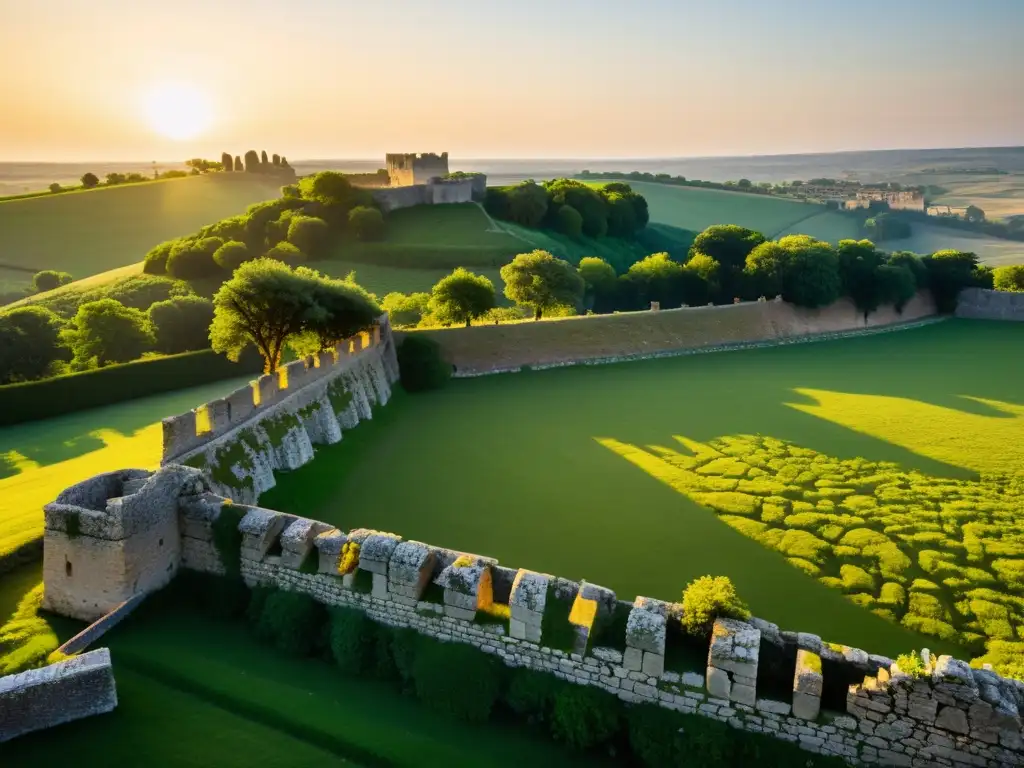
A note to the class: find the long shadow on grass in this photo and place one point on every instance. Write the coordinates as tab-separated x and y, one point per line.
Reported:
507	465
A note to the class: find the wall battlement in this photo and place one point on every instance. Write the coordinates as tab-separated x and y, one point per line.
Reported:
946	714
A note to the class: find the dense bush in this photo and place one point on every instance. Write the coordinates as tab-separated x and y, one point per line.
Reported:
708	598
293	622
584	717
421	365
117	383
231	255
949	272
803	270
729	245
182	324
309	234
600	284
1010	278
49	279
531	694
108	332
886	226
351	640
366	223
29	344
155	262
191	260
406	310
569	222
287	253
456	679
460	297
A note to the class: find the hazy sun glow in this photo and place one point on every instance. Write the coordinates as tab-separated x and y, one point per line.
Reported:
178	111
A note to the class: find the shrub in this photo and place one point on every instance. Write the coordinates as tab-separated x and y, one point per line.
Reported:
49	279
531	694
351	640
109	332
90	180
287	253
182	324
366	223
29	344
912	664
655	735
421	365
949	272
155	262
1010	278
55	188
231	255
293	622
584	717
600	284
708	598
406	310
309	234
191	260
456	679
569	222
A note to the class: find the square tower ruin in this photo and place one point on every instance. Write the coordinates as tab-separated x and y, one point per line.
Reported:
406	169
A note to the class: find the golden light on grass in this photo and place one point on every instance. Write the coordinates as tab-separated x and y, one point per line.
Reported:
178	111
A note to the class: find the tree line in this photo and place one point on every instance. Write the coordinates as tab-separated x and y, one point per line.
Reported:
570	207
725	264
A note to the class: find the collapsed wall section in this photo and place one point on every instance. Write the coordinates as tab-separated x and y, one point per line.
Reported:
635	335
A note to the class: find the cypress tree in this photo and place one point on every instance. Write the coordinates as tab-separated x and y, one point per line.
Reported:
225	161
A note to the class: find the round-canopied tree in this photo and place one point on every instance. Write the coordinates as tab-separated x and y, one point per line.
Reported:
309	234
460	297
541	282
108	332
406	310
29	343
729	245
569	222
90	180
600	284
49	279
803	270
949	272
181	324
189	260
655	278
230	256
366	223
287	253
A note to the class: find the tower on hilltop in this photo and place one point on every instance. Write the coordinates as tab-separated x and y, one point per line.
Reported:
406	169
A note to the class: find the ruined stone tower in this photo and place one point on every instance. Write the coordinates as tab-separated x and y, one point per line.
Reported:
405	169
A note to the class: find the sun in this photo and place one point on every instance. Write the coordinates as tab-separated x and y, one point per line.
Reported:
178	111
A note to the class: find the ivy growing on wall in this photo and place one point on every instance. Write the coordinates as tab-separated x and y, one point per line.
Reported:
227	539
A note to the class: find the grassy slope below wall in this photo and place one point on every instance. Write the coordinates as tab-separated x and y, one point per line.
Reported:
234	702
511	466
40	459
86	233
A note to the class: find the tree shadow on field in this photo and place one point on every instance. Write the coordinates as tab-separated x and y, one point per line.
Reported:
52	441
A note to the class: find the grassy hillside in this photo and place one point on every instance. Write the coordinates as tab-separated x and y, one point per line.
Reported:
86	233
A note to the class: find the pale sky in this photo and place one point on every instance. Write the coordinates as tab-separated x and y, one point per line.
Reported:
524	78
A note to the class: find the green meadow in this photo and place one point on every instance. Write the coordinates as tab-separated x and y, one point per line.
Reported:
866	490
86	233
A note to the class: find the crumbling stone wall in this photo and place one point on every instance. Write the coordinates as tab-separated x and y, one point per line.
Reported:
433	192
949	715
983	304
59	693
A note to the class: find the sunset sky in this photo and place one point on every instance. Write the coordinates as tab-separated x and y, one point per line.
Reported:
108	79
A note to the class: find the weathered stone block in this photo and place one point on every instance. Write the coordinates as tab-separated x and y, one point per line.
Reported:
718	683
380	586
806	706
329	544
376	550
743	694
411	566
952	719
260	528
455	612
529	596
653	664
735	646
646	630
808	678
633	659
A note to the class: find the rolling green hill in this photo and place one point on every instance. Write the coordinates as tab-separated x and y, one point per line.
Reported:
86	233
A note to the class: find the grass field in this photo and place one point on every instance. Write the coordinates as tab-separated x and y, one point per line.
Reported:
577	472
86	233
233	702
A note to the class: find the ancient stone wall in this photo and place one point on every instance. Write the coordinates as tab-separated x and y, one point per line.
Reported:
433	192
392	198
444	191
637	335
983	304
61	692
411	168
943	714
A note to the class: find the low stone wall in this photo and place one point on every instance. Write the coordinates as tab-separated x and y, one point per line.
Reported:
101	626
631	335
983	304
949	715
61	692
433	192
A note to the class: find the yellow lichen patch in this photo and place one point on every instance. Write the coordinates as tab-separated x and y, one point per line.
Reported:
498	610
203	420
256	398
282	378
462	561
349	558
583	612
485	592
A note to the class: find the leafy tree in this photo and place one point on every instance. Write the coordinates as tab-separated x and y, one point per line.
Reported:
540	281
108	332
525	203
366	223
896	285
585	199
655	278
231	255
189	260
709	270
226	162
55	188
622	220
1009	278
49	279
600	284
803	270
155	262
238	164
291	190
461	296
309	234
569	222
181	324
252	162
264	160
268	304
638	202
974	214
90	180
859	264
913	262
949	272
729	245
406	310
29	343
288	253
885	226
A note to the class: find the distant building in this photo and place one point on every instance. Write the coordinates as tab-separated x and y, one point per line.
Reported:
406	169
850	197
